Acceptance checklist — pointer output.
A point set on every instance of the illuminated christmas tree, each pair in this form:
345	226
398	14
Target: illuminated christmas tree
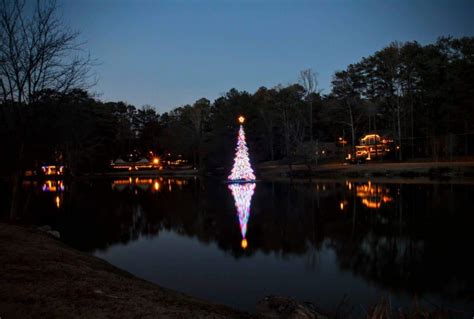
242	171
242	196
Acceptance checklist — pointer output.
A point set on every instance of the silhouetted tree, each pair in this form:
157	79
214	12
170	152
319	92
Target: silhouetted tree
37	53
346	90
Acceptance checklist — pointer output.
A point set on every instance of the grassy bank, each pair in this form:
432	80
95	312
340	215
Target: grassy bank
435	170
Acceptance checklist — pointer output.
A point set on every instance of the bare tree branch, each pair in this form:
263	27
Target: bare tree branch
38	52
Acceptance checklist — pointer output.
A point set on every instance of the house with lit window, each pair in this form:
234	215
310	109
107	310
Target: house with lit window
373	146
136	164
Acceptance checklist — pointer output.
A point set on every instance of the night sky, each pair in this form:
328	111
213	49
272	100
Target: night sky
170	53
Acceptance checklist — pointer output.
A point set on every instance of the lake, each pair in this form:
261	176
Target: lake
342	244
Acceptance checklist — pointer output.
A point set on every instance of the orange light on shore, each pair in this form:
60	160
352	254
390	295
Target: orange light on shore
241	119
156	160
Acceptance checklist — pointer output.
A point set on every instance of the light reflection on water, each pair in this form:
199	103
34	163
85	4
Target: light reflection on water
242	194
314	241
52	186
373	196
147	184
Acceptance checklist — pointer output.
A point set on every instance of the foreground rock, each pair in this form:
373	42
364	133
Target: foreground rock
47	229
42	278
276	307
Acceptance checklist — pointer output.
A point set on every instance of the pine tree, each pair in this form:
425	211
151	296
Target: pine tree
242	169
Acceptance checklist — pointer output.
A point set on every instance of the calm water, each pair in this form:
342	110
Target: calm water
316	241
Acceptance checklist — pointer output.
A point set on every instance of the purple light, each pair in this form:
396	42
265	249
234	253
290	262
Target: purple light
242	170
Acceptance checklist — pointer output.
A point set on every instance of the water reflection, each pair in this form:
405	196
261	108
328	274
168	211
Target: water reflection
53	186
243	196
402	239
57	200
57	187
146	184
373	195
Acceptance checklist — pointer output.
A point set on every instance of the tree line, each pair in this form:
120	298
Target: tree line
421	95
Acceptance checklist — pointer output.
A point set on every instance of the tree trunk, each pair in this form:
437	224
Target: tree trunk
272	152
351	118
412	129
311	121
287	139
317	151
399	129
466	139
17	180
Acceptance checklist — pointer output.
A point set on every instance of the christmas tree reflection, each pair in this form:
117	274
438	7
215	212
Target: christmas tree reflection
242	197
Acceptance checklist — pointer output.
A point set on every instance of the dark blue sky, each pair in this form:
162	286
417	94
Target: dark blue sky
170	53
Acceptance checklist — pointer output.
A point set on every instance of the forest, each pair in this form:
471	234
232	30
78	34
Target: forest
422	96
419	95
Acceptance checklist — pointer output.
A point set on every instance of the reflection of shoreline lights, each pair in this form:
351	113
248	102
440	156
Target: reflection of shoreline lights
147	184
58	201
342	204
373	196
349	185
53	186
242	194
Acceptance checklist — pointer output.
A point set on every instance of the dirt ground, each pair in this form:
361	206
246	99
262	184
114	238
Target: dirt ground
40	277
415	169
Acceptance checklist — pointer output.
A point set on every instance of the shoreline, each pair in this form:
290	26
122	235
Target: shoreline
43	277
458	171
407	170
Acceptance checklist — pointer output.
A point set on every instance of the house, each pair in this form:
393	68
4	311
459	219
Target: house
373	146
135	165
52	170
